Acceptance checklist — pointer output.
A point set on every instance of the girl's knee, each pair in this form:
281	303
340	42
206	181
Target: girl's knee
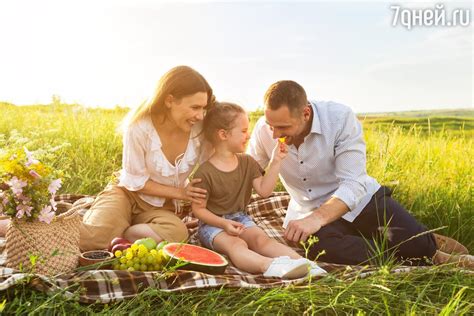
260	242
227	244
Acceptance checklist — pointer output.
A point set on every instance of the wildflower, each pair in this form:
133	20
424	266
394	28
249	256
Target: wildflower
27	187
4	197
22	209
53	203
46	215
3	201
30	159
34	174
54	186
23	199
16	185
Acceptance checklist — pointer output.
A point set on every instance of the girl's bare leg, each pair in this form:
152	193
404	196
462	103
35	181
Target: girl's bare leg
239	253
259	242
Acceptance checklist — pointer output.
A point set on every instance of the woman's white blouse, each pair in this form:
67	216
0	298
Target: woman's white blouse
144	160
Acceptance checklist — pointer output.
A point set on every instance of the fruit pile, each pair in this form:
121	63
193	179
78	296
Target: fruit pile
143	255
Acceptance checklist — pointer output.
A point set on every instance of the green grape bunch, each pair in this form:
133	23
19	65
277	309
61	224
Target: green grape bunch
139	258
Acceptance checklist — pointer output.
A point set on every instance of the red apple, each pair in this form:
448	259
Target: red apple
118	240
120	247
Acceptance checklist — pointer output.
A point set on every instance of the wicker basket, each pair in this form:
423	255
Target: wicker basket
55	245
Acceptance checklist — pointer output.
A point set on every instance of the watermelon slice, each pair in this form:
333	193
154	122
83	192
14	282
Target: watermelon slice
196	258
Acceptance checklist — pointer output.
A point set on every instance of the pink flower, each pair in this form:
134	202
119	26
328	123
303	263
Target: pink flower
53	203
35	174
29	157
5	199
54	186
16	185
22	209
46	215
23	198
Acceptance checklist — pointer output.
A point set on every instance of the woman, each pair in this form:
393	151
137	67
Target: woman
161	146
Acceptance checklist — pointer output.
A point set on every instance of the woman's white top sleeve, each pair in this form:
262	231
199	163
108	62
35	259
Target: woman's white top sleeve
144	160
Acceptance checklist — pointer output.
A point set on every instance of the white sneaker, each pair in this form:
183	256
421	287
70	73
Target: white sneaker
314	269
286	268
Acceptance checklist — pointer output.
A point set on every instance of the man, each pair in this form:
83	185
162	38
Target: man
332	197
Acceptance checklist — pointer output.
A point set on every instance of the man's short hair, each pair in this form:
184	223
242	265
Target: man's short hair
285	92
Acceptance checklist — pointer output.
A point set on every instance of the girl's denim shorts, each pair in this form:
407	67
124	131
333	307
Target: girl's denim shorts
207	233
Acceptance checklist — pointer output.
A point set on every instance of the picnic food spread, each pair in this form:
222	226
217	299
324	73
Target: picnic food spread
139	258
148	242
196	258
119	243
95	257
146	255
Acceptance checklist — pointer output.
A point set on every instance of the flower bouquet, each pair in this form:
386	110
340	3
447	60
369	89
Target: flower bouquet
38	239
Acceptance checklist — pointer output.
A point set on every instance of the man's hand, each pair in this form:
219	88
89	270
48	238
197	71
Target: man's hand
300	229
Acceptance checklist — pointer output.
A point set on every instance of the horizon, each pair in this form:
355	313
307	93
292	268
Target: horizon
255	109
112	53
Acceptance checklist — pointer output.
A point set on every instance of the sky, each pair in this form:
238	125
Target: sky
108	53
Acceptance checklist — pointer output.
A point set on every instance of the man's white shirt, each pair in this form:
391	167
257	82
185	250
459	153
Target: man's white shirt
331	162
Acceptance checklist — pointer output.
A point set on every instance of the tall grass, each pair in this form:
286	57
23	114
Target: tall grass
428	167
423	292
431	174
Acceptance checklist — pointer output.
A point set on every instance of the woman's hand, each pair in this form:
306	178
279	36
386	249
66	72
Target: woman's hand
192	193
233	228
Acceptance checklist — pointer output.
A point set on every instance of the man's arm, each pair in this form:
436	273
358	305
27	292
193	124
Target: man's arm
301	229
350	162
350	169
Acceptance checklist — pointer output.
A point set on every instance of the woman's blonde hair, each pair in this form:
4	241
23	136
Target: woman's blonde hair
179	82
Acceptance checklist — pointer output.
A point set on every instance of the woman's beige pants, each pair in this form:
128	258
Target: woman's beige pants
116	208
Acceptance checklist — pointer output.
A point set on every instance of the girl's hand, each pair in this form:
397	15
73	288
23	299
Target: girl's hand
280	151
192	193
233	228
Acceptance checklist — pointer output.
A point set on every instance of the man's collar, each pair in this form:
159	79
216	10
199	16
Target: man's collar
316	126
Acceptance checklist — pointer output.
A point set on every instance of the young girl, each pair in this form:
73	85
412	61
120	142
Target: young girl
228	177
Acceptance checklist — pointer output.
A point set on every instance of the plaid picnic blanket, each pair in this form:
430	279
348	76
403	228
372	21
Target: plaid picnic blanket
106	286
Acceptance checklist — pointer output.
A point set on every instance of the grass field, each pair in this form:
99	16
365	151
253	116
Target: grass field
427	160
